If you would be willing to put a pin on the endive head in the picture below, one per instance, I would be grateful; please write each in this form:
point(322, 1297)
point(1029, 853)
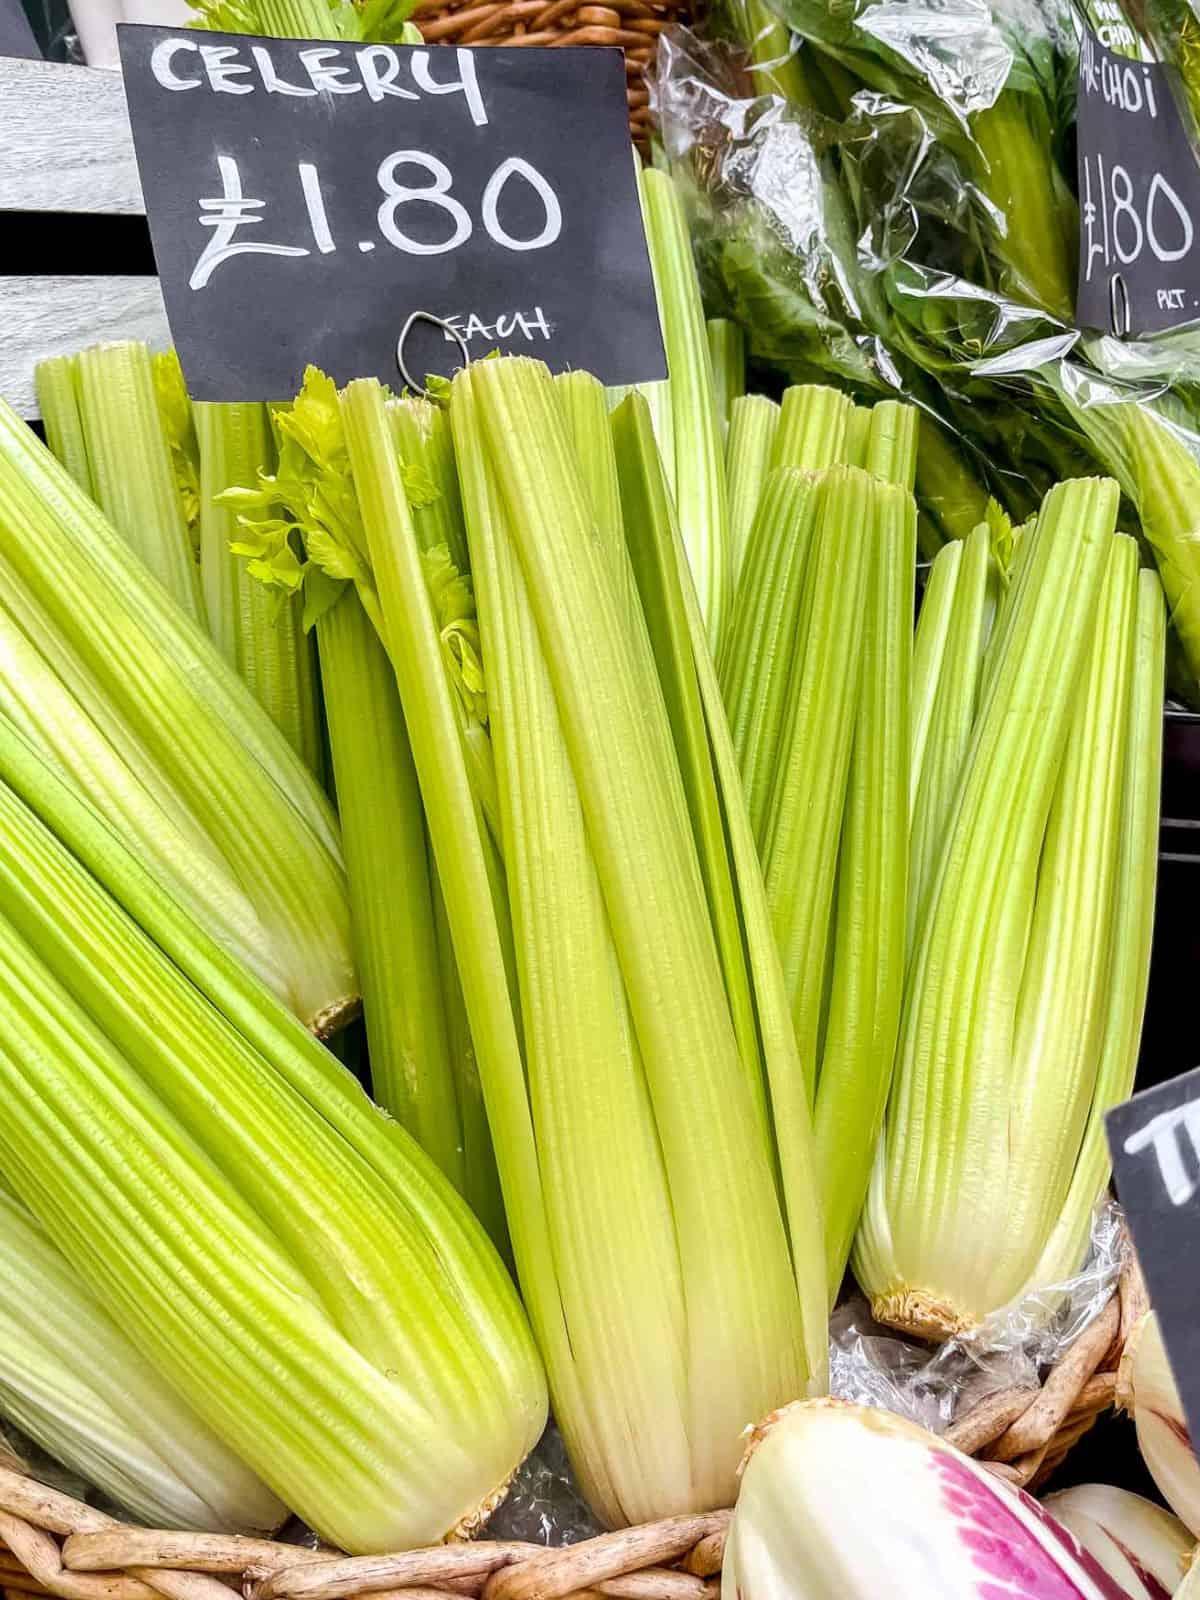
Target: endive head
point(1146, 1389)
point(840, 1501)
point(1143, 1547)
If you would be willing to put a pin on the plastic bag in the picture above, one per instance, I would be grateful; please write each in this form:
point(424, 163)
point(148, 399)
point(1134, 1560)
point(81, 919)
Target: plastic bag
point(873, 1366)
point(922, 239)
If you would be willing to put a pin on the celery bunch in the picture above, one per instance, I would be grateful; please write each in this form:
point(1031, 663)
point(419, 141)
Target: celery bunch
point(1035, 842)
point(103, 670)
point(607, 915)
point(283, 1256)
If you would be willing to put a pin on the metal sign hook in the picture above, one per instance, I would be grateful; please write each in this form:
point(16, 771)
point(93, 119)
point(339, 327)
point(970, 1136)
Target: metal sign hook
point(438, 322)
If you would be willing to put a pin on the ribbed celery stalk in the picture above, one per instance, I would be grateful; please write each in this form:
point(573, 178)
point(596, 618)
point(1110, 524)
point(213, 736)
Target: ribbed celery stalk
point(813, 425)
point(753, 420)
point(694, 451)
point(756, 664)
point(259, 633)
point(929, 651)
point(727, 350)
point(58, 401)
point(866, 980)
point(391, 897)
point(889, 448)
point(286, 1258)
point(938, 1248)
point(72, 1381)
point(783, 1079)
point(422, 434)
point(812, 766)
point(858, 437)
point(133, 662)
point(951, 711)
point(1124, 997)
point(133, 480)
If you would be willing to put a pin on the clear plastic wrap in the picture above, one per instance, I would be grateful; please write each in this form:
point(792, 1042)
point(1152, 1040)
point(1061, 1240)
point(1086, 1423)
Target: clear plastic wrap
point(903, 219)
point(871, 1365)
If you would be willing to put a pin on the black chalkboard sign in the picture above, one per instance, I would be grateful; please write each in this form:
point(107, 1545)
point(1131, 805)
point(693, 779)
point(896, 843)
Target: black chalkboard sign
point(1139, 195)
point(1155, 1144)
point(16, 36)
point(306, 199)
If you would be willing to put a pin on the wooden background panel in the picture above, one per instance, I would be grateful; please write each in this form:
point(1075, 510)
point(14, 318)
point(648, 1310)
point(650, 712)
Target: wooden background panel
point(57, 316)
point(65, 143)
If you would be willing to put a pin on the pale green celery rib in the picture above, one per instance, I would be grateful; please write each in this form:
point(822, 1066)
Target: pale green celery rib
point(422, 433)
point(481, 1180)
point(650, 539)
point(132, 477)
point(951, 720)
point(698, 474)
point(72, 1381)
point(753, 420)
point(259, 1232)
point(867, 968)
point(1061, 1014)
point(133, 659)
point(56, 386)
point(258, 630)
point(813, 425)
point(890, 450)
point(937, 1217)
point(459, 841)
point(811, 770)
point(858, 437)
point(1132, 934)
point(929, 651)
point(115, 773)
point(391, 898)
point(727, 351)
point(744, 1332)
point(757, 663)
point(789, 1109)
point(621, 1288)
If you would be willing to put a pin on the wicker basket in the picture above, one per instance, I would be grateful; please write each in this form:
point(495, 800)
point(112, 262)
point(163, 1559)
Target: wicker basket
point(633, 24)
point(51, 1544)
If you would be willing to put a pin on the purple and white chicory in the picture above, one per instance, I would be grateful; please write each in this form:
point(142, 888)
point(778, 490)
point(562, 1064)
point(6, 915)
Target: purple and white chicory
point(839, 1502)
point(1141, 1545)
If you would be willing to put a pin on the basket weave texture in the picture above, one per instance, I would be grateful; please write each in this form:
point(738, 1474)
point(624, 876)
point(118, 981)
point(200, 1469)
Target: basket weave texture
point(52, 1544)
point(634, 25)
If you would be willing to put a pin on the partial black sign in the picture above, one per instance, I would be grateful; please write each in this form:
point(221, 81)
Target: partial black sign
point(1155, 1144)
point(305, 199)
point(16, 36)
point(1139, 192)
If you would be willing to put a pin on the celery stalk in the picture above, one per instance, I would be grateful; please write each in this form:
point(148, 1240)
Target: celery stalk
point(134, 663)
point(813, 425)
point(260, 634)
point(391, 897)
point(693, 451)
point(936, 1250)
point(867, 969)
point(293, 1266)
point(132, 477)
point(951, 718)
point(757, 662)
point(929, 652)
point(808, 796)
point(109, 1417)
point(58, 401)
point(890, 448)
point(1124, 999)
point(650, 540)
point(753, 420)
point(790, 1117)
point(727, 351)
point(858, 437)
point(422, 434)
